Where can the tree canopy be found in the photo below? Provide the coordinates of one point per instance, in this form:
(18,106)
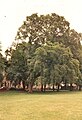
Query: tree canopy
(46,53)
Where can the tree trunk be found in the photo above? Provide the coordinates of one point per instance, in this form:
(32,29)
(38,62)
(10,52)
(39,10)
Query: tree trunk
(58,87)
(79,87)
(27,86)
(1,84)
(71,87)
(44,87)
(41,87)
(65,86)
(15,84)
(30,88)
(53,87)
(10,84)
(5,84)
(23,83)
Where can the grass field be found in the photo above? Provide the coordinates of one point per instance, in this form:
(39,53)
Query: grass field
(38,106)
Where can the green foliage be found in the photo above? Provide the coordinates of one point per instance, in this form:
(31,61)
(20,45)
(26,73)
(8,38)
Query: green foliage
(52,54)
(39,29)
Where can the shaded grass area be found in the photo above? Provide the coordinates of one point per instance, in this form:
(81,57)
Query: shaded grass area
(40,106)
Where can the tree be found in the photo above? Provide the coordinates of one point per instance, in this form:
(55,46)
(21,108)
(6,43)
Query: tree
(1,79)
(1,66)
(50,52)
(56,64)
(18,65)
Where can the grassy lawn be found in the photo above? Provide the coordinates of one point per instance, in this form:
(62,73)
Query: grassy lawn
(46,106)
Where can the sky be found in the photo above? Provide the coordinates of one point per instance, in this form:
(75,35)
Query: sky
(14,12)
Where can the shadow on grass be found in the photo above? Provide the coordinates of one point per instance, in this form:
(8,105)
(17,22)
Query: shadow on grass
(55,92)
(21,91)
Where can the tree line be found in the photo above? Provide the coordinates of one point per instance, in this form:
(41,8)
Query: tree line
(46,54)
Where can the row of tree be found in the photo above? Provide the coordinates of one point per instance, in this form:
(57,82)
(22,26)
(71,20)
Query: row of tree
(46,53)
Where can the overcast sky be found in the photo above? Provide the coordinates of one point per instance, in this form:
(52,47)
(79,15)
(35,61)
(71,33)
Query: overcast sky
(14,12)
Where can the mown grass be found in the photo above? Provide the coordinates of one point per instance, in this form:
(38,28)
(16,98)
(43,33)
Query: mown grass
(38,106)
